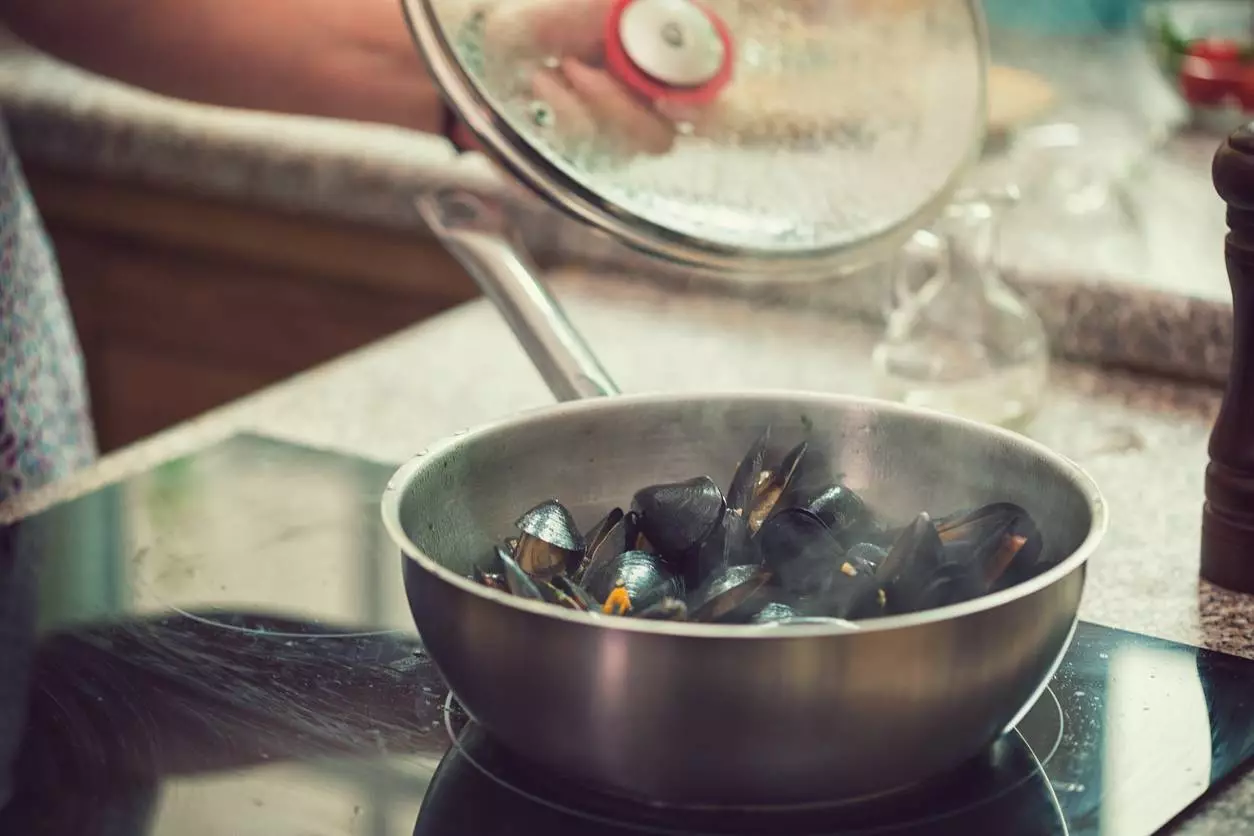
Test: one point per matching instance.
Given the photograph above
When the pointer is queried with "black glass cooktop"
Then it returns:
(222, 646)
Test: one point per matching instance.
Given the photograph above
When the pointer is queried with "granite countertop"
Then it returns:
(1143, 440)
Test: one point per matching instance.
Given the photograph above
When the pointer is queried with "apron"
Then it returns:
(45, 422)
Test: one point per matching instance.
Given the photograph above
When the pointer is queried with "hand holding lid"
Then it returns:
(738, 138)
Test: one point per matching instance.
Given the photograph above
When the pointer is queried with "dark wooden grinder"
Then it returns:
(1228, 514)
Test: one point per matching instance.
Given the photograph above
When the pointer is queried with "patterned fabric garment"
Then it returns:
(45, 423)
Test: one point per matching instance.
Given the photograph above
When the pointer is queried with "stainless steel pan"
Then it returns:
(711, 715)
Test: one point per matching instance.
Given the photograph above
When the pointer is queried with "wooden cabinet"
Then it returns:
(184, 303)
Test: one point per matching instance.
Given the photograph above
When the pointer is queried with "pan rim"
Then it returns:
(1087, 487)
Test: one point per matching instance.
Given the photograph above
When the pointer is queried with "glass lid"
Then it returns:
(792, 136)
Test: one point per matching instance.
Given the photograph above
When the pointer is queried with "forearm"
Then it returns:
(348, 59)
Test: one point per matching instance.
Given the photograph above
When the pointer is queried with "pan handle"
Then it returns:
(474, 232)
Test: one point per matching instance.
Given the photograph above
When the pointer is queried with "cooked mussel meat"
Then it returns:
(773, 484)
(633, 582)
(495, 580)
(516, 579)
(732, 595)
(749, 477)
(550, 542)
(676, 518)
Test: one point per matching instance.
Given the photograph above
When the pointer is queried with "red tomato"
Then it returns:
(1200, 84)
(1245, 90)
(1212, 72)
(1218, 50)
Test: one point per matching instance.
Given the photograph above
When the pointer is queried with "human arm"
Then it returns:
(345, 59)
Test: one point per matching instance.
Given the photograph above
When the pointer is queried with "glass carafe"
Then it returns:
(963, 341)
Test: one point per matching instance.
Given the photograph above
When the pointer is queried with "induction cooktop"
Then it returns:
(222, 646)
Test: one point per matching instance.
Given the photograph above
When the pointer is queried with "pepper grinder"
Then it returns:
(1228, 514)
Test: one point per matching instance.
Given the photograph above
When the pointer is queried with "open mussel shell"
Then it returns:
(774, 484)
(1001, 539)
(573, 595)
(550, 542)
(606, 541)
(729, 544)
(910, 564)
(744, 483)
(633, 582)
(677, 517)
(518, 582)
(732, 596)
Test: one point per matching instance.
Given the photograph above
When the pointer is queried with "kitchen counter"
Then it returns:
(1143, 441)
(1170, 315)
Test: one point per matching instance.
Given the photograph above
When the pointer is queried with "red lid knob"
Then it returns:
(675, 51)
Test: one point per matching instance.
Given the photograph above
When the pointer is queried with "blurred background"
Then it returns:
(210, 253)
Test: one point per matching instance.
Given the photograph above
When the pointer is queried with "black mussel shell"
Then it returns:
(668, 609)
(634, 582)
(952, 583)
(813, 621)
(677, 517)
(744, 483)
(868, 553)
(573, 595)
(1001, 538)
(798, 550)
(606, 541)
(773, 612)
(731, 596)
(849, 589)
(517, 580)
(910, 565)
(843, 512)
(550, 542)
(633, 535)
(730, 544)
(766, 498)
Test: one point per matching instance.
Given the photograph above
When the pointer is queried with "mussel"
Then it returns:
(732, 595)
(790, 543)
(518, 581)
(633, 582)
(749, 475)
(844, 513)
(1001, 539)
(910, 564)
(550, 542)
(676, 518)
(799, 549)
(773, 484)
(606, 541)
(668, 609)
